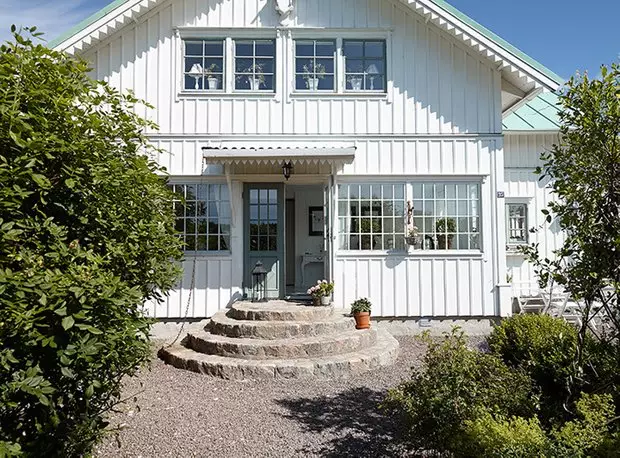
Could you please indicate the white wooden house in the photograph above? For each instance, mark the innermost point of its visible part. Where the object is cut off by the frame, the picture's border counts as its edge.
(386, 114)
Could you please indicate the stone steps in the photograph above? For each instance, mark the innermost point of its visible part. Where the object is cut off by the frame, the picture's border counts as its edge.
(224, 325)
(383, 352)
(278, 311)
(302, 347)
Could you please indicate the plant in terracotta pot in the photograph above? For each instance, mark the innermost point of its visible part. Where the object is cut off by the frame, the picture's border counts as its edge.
(445, 228)
(321, 292)
(360, 309)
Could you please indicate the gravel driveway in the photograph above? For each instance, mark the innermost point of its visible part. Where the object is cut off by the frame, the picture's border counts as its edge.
(183, 414)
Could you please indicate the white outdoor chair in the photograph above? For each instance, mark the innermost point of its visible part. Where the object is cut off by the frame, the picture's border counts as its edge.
(529, 297)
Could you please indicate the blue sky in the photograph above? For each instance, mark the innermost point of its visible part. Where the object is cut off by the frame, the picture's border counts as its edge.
(563, 35)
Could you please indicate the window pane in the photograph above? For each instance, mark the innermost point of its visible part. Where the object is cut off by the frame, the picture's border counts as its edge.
(314, 65)
(255, 65)
(202, 201)
(204, 65)
(304, 48)
(193, 48)
(365, 65)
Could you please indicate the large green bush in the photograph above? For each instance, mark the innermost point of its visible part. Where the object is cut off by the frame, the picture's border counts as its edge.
(86, 236)
(542, 346)
(454, 384)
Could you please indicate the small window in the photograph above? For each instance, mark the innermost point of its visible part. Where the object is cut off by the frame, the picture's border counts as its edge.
(516, 223)
(314, 65)
(371, 217)
(255, 65)
(365, 65)
(447, 215)
(203, 65)
(203, 216)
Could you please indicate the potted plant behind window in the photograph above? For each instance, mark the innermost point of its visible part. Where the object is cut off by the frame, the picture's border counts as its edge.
(256, 77)
(356, 80)
(313, 74)
(360, 309)
(321, 292)
(413, 236)
(445, 228)
(212, 79)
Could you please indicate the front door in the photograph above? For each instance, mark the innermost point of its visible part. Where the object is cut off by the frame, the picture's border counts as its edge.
(264, 235)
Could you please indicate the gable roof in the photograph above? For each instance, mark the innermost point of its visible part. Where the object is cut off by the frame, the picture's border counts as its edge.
(539, 114)
(522, 71)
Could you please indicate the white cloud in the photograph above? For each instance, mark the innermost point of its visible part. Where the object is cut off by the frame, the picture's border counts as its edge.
(53, 17)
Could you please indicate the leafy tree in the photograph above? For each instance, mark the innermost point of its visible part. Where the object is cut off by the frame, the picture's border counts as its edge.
(86, 237)
(584, 172)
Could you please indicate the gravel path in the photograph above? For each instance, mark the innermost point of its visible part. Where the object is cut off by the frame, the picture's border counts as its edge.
(183, 414)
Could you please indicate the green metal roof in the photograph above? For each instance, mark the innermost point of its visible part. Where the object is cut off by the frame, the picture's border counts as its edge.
(499, 41)
(540, 113)
(86, 22)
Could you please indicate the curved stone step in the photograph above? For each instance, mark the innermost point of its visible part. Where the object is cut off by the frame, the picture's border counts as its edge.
(223, 325)
(278, 311)
(382, 353)
(303, 347)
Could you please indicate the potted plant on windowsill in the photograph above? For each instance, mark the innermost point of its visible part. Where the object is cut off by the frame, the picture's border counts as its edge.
(445, 228)
(256, 77)
(312, 75)
(321, 292)
(360, 309)
(413, 236)
(355, 81)
(212, 79)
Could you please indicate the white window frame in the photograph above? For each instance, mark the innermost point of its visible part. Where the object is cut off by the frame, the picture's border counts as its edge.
(339, 35)
(226, 220)
(314, 58)
(409, 195)
(224, 69)
(234, 57)
(511, 245)
(228, 35)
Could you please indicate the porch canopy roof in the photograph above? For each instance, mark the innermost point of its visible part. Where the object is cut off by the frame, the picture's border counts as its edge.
(279, 155)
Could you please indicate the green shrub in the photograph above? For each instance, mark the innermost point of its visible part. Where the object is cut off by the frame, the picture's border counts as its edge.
(495, 436)
(500, 437)
(453, 385)
(86, 236)
(542, 346)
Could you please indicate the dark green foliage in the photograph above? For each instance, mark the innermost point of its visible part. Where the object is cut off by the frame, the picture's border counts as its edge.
(361, 305)
(86, 236)
(452, 387)
(544, 347)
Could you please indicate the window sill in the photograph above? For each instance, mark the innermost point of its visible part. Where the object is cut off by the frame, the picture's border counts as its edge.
(226, 95)
(410, 254)
(206, 254)
(300, 94)
(513, 250)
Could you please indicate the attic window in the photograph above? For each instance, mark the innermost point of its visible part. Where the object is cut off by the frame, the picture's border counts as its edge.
(204, 65)
(365, 65)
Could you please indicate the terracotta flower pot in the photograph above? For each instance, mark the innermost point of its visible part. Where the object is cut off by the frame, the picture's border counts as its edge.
(362, 320)
(316, 301)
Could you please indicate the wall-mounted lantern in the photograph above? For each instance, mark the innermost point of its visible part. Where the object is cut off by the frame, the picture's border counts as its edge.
(287, 170)
(259, 283)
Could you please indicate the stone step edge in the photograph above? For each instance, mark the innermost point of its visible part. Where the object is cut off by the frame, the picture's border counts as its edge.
(249, 311)
(252, 348)
(383, 353)
(221, 324)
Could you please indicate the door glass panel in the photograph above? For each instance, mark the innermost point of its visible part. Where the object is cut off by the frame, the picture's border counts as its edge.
(263, 232)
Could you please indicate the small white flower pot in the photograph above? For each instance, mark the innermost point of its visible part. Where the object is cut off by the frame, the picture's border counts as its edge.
(254, 83)
(326, 300)
(213, 83)
(312, 83)
(356, 83)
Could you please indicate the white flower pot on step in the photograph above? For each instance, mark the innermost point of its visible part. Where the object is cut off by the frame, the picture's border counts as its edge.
(326, 300)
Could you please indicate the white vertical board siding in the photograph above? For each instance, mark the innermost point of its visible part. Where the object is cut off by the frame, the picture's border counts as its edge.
(522, 154)
(415, 286)
(438, 86)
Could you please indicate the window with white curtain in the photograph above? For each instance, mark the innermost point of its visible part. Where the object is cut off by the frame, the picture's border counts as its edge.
(203, 216)
(516, 223)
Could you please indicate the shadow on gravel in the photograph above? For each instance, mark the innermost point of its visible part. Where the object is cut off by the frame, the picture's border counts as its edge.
(353, 416)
